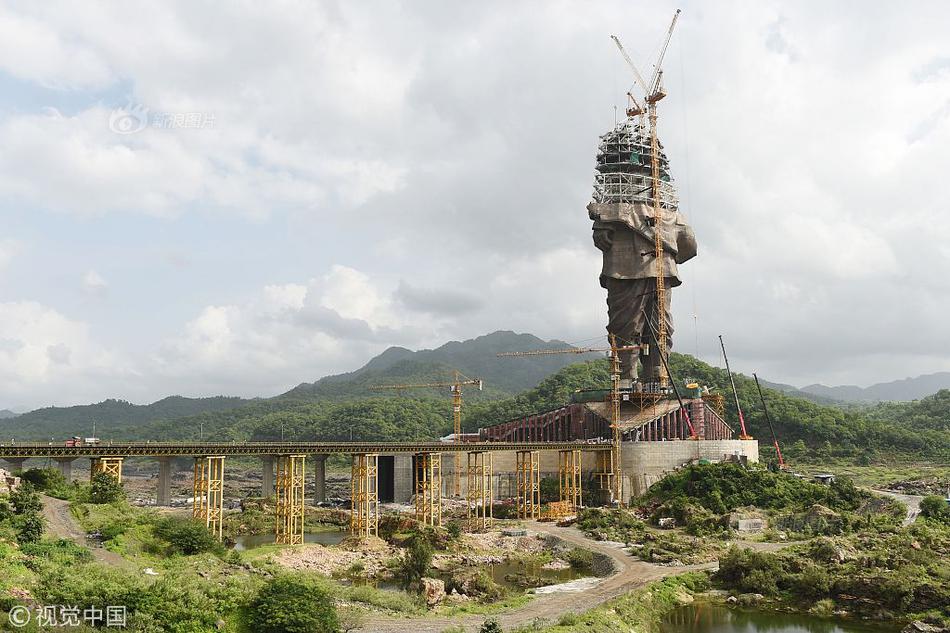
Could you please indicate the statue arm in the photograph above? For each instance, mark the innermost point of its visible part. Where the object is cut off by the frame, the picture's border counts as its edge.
(685, 244)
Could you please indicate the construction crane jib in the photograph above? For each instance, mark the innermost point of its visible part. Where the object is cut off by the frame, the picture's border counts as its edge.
(653, 92)
(456, 389)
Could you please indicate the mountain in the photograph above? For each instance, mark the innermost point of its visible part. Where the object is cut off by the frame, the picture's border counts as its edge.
(6, 413)
(475, 358)
(108, 416)
(896, 390)
(799, 393)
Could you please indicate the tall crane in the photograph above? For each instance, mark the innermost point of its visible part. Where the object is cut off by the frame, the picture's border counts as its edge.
(456, 388)
(616, 480)
(653, 92)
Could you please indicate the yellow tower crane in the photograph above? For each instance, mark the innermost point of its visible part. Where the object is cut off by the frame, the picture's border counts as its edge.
(456, 388)
(616, 467)
(653, 92)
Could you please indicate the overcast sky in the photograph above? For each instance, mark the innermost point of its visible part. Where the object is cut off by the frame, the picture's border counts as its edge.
(313, 182)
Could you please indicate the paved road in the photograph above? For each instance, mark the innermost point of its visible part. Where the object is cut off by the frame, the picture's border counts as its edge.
(911, 501)
(61, 523)
(630, 574)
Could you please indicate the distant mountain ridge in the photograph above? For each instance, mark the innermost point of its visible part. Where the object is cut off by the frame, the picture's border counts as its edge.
(475, 358)
(6, 413)
(902, 390)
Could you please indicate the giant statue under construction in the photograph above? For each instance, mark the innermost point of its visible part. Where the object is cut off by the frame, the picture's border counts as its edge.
(627, 198)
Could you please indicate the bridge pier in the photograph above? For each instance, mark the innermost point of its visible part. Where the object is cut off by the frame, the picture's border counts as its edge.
(267, 475)
(320, 478)
(16, 463)
(402, 478)
(429, 488)
(289, 499)
(208, 499)
(528, 476)
(163, 496)
(480, 490)
(65, 465)
(364, 494)
(108, 465)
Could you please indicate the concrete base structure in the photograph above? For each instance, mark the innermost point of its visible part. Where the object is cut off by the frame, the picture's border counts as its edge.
(15, 464)
(65, 465)
(267, 476)
(320, 478)
(644, 463)
(163, 496)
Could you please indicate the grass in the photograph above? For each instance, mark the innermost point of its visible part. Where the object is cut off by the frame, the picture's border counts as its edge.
(478, 608)
(876, 475)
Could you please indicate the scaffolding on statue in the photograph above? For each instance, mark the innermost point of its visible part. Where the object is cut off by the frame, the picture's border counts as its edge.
(624, 172)
(289, 499)
(480, 490)
(569, 479)
(364, 494)
(528, 477)
(111, 466)
(208, 496)
(429, 488)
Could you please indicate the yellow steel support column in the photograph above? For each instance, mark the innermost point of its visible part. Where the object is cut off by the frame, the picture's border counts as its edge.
(605, 472)
(480, 490)
(364, 494)
(429, 488)
(569, 478)
(108, 465)
(208, 502)
(528, 476)
(289, 499)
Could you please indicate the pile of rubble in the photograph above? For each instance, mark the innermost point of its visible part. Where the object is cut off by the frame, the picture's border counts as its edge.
(8, 483)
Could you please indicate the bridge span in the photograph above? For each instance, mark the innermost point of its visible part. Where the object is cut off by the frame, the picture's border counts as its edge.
(380, 471)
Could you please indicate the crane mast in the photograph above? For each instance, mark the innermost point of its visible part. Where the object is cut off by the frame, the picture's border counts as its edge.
(456, 387)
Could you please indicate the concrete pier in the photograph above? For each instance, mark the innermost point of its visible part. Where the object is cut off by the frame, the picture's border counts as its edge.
(16, 463)
(320, 478)
(65, 465)
(267, 476)
(163, 496)
(402, 478)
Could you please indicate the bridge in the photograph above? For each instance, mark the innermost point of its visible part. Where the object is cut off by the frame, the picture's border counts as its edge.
(422, 460)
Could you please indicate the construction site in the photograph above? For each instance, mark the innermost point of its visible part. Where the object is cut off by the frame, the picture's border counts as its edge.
(613, 443)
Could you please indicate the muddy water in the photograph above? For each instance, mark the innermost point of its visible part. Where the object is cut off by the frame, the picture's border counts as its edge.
(709, 618)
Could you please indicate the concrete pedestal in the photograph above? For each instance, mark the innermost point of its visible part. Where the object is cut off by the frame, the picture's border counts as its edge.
(65, 465)
(320, 478)
(163, 496)
(267, 478)
(16, 463)
(402, 478)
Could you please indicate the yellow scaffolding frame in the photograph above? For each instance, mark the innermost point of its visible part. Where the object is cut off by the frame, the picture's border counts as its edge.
(429, 488)
(528, 478)
(480, 489)
(208, 501)
(604, 471)
(289, 499)
(569, 479)
(364, 494)
(108, 465)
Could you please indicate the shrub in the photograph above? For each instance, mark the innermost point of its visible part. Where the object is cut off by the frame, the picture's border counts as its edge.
(292, 604)
(30, 529)
(44, 478)
(935, 507)
(25, 500)
(105, 489)
(417, 561)
(490, 626)
(186, 536)
(454, 528)
(580, 559)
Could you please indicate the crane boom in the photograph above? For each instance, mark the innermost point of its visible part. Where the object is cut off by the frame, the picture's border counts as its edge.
(456, 387)
(573, 350)
(657, 70)
(778, 451)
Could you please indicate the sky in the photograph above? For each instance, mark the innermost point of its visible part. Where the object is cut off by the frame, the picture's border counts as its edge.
(232, 198)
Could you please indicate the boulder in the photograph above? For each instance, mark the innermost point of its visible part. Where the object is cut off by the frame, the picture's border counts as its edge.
(433, 590)
(918, 626)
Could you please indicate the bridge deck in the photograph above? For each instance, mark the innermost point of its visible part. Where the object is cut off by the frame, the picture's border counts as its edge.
(199, 449)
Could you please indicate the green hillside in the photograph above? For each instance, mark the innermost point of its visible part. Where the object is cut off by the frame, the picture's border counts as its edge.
(109, 416)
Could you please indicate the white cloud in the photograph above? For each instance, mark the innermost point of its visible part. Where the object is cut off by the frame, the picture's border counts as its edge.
(8, 250)
(93, 283)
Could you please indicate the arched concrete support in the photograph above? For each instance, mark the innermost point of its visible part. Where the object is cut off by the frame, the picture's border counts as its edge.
(16, 463)
(320, 478)
(65, 465)
(163, 495)
(267, 476)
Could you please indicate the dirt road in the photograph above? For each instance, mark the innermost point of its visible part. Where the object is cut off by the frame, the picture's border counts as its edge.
(630, 574)
(61, 524)
(911, 501)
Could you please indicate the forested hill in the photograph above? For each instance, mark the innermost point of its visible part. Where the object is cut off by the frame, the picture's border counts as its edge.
(805, 428)
(108, 415)
(475, 358)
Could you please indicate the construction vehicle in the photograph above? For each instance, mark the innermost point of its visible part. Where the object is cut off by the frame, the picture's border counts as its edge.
(653, 92)
(80, 441)
(735, 393)
(456, 388)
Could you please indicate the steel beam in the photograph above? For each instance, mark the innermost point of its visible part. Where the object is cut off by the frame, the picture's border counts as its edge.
(528, 476)
(429, 488)
(480, 489)
(108, 465)
(208, 500)
(569, 479)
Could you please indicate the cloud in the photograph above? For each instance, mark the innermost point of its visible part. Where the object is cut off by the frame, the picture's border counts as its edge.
(8, 250)
(93, 283)
(439, 301)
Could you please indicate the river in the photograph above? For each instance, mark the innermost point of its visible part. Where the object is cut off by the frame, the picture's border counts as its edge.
(712, 618)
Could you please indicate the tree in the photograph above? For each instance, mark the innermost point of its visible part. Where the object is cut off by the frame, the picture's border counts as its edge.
(105, 489)
(935, 507)
(25, 499)
(31, 528)
(417, 561)
(44, 478)
(293, 604)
